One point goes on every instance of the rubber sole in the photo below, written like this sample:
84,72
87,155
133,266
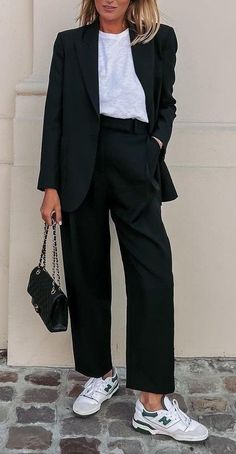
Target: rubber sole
147,430
93,412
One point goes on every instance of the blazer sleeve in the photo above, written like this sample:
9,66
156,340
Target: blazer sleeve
167,106
52,121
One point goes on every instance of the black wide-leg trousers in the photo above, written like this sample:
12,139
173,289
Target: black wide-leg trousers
123,185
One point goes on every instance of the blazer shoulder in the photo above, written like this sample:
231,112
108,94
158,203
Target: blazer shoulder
164,31
71,32
69,36
166,36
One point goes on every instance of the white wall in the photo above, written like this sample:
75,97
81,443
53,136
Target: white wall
201,158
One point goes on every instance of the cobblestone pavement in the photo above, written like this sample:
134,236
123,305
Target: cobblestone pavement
36,412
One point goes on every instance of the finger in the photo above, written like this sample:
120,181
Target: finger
58,215
53,215
47,217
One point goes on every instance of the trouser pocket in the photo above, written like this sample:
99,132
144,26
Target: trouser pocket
153,155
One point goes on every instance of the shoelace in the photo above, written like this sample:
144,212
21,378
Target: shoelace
93,385
175,409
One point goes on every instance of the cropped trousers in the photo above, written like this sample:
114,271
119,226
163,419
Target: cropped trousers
122,184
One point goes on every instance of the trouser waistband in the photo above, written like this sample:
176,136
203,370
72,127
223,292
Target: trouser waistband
132,125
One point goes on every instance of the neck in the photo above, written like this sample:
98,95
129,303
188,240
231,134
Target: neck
115,27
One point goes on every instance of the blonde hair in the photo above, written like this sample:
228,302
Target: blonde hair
144,15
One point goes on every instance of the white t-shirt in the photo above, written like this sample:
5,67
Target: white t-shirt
120,91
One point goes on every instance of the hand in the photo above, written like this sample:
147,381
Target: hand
51,207
159,141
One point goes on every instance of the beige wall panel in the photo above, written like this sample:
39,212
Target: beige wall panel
201,226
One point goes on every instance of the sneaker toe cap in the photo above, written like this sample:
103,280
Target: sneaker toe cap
84,405
198,429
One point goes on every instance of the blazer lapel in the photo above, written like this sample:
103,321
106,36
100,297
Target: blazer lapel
87,53
143,58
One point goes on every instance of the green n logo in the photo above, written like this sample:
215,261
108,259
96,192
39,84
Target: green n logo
164,420
108,387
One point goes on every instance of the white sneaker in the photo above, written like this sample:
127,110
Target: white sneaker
172,421
95,392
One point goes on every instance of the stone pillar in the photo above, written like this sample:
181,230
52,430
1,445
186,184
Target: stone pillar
15,35
29,343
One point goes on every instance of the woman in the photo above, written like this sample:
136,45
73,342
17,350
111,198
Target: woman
107,122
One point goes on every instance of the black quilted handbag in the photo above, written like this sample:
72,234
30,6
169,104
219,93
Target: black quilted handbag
48,299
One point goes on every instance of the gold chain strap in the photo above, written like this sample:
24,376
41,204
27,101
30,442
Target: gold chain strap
55,263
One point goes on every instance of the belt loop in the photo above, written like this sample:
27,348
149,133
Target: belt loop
134,126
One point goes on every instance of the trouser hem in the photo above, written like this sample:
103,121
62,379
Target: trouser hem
150,388
93,373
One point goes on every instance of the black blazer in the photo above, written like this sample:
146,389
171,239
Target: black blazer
71,116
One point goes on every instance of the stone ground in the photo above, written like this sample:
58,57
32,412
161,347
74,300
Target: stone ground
36,412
